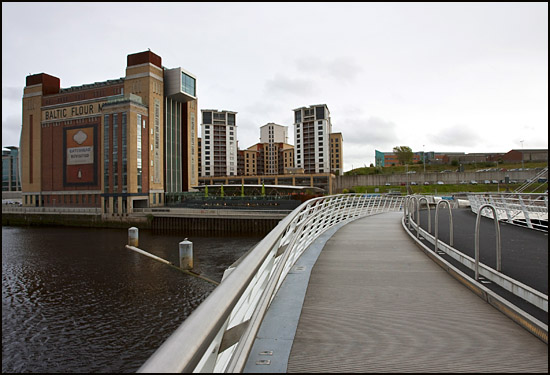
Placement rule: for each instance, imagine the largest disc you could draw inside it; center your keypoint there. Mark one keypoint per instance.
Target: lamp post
(424, 157)
(407, 173)
(521, 155)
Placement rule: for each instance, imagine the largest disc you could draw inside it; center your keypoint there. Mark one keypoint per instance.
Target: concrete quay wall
(218, 222)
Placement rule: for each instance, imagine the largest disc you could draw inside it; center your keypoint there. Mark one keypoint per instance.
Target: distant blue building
(11, 180)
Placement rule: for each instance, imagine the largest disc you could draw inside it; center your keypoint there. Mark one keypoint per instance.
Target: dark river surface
(76, 300)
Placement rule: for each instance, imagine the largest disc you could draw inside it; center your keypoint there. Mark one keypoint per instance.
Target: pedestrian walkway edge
(525, 320)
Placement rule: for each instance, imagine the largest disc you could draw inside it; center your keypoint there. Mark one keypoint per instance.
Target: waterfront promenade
(374, 302)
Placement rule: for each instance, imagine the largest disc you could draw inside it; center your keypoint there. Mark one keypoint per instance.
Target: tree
(404, 154)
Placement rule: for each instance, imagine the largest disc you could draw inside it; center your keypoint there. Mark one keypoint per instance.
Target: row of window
(112, 131)
(219, 118)
(60, 200)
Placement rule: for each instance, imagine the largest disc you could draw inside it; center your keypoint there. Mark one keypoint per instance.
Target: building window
(188, 84)
(298, 116)
(106, 153)
(230, 119)
(115, 151)
(320, 113)
(139, 153)
(207, 118)
(124, 156)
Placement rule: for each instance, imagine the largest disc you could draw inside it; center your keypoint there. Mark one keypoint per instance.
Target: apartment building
(219, 143)
(312, 129)
(336, 153)
(266, 159)
(273, 136)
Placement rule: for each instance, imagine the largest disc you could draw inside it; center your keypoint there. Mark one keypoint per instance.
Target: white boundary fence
(527, 209)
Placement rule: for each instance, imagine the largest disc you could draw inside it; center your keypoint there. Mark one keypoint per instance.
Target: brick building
(116, 145)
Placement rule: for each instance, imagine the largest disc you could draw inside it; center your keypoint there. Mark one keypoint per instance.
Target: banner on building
(80, 157)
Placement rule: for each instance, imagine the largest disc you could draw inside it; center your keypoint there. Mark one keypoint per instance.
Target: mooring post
(133, 236)
(186, 255)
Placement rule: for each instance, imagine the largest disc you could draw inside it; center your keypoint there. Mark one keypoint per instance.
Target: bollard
(133, 236)
(186, 255)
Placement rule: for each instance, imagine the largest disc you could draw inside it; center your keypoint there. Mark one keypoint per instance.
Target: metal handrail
(429, 216)
(528, 207)
(497, 231)
(515, 287)
(437, 223)
(411, 200)
(532, 180)
(204, 342)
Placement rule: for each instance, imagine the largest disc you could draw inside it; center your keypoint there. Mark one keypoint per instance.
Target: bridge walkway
(376, 303)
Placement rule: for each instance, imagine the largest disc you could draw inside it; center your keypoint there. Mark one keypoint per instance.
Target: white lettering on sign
(80, 155)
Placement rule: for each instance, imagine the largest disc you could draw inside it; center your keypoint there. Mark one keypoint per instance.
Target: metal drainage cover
(299, 269)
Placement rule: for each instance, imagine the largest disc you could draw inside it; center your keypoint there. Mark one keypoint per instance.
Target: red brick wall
(144, 57)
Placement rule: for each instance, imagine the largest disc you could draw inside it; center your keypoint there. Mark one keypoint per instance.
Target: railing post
(437, 223)
(429, 216)
(497, 232)
(525, 212)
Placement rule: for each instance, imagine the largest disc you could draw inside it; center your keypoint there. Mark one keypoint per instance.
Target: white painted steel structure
(219, 334)
(531, 209)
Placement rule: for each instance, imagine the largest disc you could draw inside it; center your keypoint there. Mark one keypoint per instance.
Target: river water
(76, 300)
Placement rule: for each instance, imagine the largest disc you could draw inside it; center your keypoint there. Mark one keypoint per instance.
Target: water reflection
(75, 300)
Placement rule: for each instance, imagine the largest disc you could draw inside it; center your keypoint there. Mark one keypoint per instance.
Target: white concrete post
(186, 255)
(133, 237)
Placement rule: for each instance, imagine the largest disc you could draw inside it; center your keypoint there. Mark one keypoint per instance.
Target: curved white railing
(530, 209)
(218, 335)
(495, 275)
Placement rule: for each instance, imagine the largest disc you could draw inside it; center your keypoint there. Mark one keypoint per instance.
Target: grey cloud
(373, 131)
(342, 68)
(458, 135)
(292, 86)
(264, 109)
(12, 93)
(11, 130)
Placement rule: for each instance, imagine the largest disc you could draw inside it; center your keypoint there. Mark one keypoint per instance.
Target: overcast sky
(469, 77)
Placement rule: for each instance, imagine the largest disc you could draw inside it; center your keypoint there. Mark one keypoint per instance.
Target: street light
(424, 157)
(407, 173)
(521, 155)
